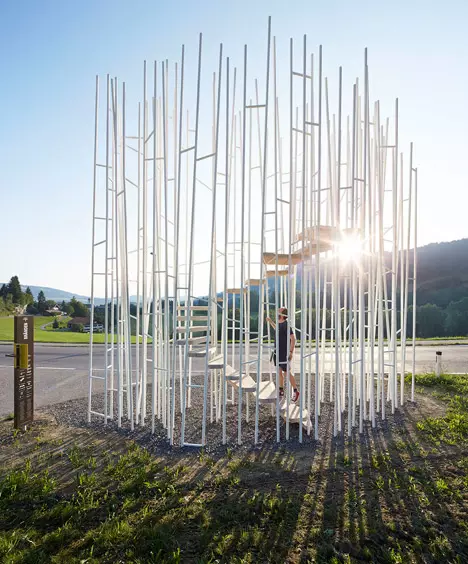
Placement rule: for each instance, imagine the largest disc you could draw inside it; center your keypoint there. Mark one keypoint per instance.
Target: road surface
(61, 372)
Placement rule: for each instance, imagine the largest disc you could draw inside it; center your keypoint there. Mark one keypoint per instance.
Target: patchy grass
(74, 495)
(452, 428)
(49, 334)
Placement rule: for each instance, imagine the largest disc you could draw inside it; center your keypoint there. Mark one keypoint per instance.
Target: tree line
(12, 297)
(14, 300)
(432, 320)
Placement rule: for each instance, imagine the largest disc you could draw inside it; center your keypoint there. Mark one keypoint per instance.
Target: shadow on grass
(387, 495)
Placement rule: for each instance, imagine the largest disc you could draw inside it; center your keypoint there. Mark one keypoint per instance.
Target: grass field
(48, 335)
(76, 495)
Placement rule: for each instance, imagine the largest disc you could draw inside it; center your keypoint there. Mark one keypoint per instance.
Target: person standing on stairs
(281, 352)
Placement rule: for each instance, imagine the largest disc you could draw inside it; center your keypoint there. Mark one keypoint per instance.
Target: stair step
(192, 317)
(294, 413)
(231, 373)
(267, 392)
(235, 291)
(217, 362)
(254, 282)
(191, 341)
(273, 273)
(192, 308)
(192, 329)
(248, 383)
(201, 352)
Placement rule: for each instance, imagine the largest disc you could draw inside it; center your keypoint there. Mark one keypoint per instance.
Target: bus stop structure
(221, 196)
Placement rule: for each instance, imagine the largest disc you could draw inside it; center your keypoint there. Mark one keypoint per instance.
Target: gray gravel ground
(74, 413)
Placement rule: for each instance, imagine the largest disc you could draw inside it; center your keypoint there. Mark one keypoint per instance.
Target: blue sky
(51, 50)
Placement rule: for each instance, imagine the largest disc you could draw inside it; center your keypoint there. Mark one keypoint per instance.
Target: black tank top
(282, 346)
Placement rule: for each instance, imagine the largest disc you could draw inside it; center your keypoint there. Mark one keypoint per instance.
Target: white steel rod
(242, 229)
(415, 242)
(192, 225)
(90, 372)
(317, 256)
(213, 243)
(264, 177)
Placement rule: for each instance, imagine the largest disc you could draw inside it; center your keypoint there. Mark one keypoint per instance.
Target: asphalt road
(61, 372)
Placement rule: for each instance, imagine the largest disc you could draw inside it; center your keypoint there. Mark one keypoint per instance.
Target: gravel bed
(74, 413)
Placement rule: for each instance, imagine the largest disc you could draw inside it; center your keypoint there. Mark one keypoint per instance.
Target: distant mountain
(442, 276)
(442, 272)
(54, 293)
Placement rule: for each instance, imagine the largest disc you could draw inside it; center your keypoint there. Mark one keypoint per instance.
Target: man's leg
(292, 380)
(281, 382)
(281, 377)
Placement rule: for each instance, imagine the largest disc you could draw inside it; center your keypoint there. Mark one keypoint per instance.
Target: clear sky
(51, 50)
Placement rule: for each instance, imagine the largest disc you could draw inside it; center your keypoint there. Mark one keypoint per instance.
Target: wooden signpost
(24, 371)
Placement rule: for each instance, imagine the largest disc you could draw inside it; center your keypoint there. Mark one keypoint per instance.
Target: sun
(349, 249)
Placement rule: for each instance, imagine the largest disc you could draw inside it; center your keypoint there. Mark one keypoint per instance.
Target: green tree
(68, 309)
(430, 321)
(50, 304)
(41, 302)
(9, 302)
(456, 323)
(79, 309)
(14, 288)
(3, 292)
(28, 297)
(55, 324)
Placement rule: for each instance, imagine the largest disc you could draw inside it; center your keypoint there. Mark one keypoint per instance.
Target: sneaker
(295, 396)
(281, 394)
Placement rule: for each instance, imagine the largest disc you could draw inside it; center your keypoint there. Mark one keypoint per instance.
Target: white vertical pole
(264, 181)
(155, 262)
(371, 244)
(125, 279)
(413, 371)
(337, 405)
(116, 185)
(138, 274)
(145, 249)
(393, 345)
(177, 187)
(317, 260)
(106, 283)
(192, 224)
(241, 299)
(352, 282)
(406, 284)
(165, 333)
(278, 437)
(213, 244)
(90, 372)
(362, 305)
(226, 236)
(292, 199)
(303, 277)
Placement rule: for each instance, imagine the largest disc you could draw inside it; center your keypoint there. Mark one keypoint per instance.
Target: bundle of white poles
(222, 196)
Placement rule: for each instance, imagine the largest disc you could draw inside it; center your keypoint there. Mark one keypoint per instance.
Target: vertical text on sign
(24, 371)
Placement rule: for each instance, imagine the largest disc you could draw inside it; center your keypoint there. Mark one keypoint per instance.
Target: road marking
(51, 368)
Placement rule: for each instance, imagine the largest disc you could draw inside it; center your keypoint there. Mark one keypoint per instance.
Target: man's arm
(292, 344)
(271, 322)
